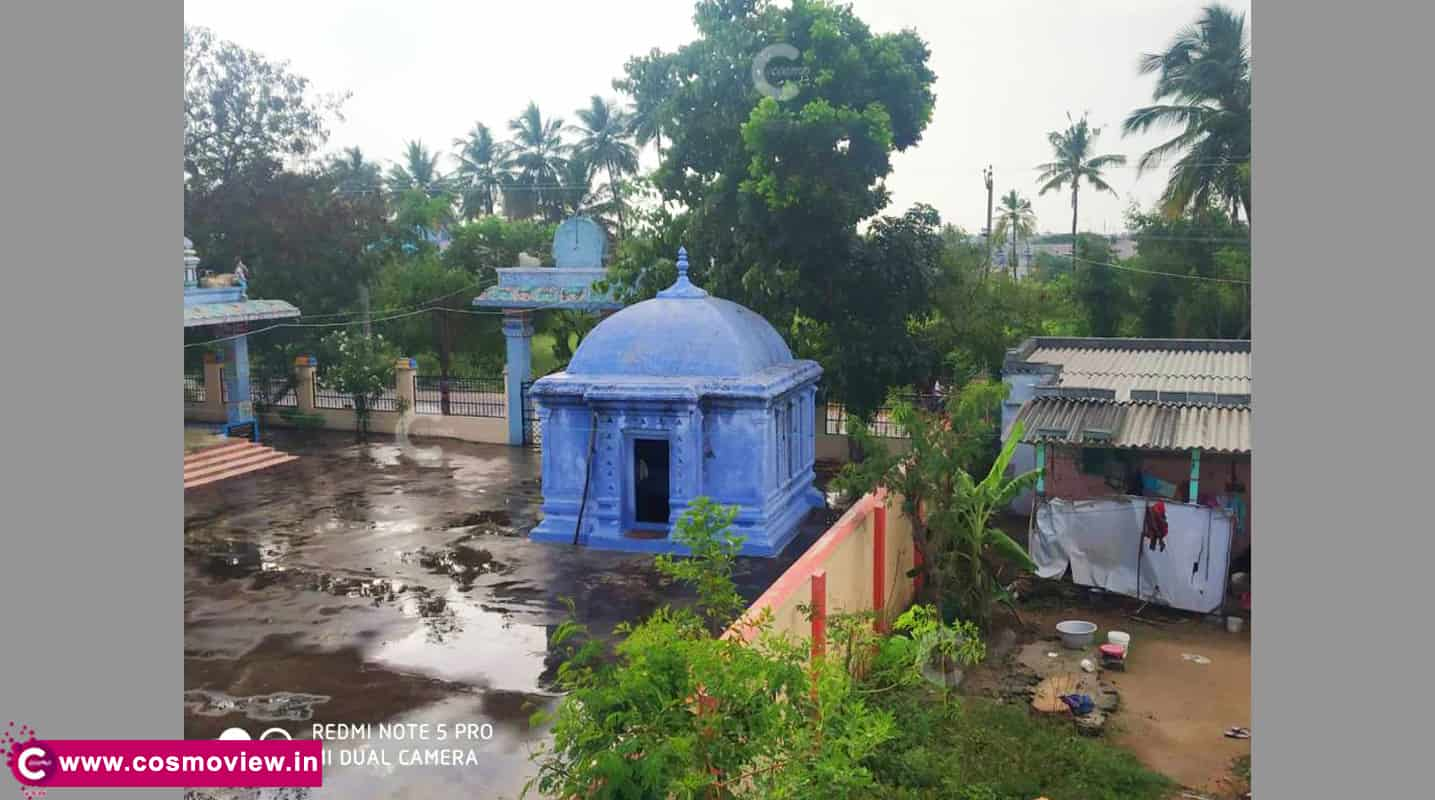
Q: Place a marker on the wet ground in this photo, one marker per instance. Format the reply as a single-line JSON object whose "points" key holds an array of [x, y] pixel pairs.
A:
{"points": [[379, 583], [1173, 710]]}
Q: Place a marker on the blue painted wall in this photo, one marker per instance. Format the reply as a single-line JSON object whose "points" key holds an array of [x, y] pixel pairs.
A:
{"points": [[715, 381]]}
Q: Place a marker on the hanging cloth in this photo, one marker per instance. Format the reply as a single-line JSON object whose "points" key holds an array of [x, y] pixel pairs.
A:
{"points": [[1155, 527]]}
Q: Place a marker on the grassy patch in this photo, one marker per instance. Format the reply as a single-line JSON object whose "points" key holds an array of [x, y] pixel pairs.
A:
{"points": [[975, 749]]}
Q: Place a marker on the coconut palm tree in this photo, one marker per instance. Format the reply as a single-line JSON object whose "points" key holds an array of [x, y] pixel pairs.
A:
{"points": [[353, 174], [652, 89], [478, 173], [1072, 148], [1203, 87], [577, 197], [603, 143], [419, 170], [535, 159], [1016, 220]]}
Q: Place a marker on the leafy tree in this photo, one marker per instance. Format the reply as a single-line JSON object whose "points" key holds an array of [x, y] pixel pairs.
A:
{"points": [[976, 318], [301, 240], [535, 160], [1101, 291], [447, 331], [488, 243], [1214, 302], [871, 348], [241, 109], [353, 174], [962, 554], [644, 262], [1203, 87], [478, 176], [359, 366], [772, 215], [673, 710], [1074, 162], [603, 143], [1015, 220]]}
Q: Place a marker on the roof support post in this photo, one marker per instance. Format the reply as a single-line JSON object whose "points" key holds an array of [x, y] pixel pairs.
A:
{"points": [[1041, 469], [1195, 488]]}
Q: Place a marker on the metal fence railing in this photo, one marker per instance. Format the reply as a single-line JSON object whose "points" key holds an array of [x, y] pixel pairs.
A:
{"points": [[467, 397], [194, 390], [325, 397], [276, 392], [532, 425], [388, 400], [882, 424]]}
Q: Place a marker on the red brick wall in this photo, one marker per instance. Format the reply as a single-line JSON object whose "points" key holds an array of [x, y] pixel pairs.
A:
{"points": [[1065, 479]]}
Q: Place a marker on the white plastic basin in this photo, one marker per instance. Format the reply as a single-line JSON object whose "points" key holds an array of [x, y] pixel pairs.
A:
{"points": [[1076, 633]]}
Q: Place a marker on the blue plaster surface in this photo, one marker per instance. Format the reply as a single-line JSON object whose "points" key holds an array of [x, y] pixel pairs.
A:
{"points": [[715, 381], [579, 243], [518, 335]]}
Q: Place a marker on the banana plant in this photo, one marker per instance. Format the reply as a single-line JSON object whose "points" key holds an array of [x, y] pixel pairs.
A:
{"points": [[979, 549], [952, 513]]}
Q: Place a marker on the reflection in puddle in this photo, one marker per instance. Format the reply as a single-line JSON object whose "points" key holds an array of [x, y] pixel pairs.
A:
{"points": [[464, 643]]}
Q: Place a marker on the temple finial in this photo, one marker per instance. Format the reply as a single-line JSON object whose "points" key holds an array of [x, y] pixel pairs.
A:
{"points": [[682, 287]]}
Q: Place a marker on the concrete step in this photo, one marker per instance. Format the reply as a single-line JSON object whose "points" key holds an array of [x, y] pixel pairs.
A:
{"points": [[274, 460], [217, 451], [239, 458]]}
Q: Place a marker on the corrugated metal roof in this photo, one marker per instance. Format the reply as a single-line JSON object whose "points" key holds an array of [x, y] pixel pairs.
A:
{"points": [[1162, 365], [1145, 426], [1173, 363], [1124, 384]]}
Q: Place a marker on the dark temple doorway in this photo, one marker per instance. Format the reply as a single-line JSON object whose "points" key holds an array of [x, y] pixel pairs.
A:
{"points": [[650, 481]]}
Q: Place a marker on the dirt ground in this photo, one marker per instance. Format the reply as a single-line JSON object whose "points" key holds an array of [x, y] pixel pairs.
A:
{"points": [[1173, 711]]}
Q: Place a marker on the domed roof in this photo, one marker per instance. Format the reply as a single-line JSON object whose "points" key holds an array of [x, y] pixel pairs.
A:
{"points": [[683, 332]]}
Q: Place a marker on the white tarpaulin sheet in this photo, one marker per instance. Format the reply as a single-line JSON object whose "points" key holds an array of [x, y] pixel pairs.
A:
{"points": [[1101, 541]]}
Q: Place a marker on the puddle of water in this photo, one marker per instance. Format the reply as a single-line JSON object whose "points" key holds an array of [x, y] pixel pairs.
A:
{"points": [[277, 707], [462, 642]]}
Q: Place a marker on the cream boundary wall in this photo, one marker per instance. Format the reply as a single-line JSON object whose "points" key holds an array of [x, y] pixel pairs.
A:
{"points": [[848, 554], [489, 430]]}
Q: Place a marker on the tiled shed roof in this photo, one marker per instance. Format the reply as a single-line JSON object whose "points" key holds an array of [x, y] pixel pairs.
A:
{"points": [[1146, 426], [1215, 366]]}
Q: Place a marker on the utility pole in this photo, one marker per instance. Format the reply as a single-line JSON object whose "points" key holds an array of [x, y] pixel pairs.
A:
{"points": [[987, 176], [364, 299]]}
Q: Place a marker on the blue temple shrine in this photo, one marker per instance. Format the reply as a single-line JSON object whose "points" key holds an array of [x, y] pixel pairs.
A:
{"points": [[677, 397]]}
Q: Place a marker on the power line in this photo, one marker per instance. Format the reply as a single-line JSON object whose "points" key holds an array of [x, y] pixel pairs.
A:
{"points": [[1161, 273], [424, 304], [389, 318]]}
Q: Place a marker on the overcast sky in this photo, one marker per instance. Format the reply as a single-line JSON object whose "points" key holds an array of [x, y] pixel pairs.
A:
{"points": [[1007, 73]]}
